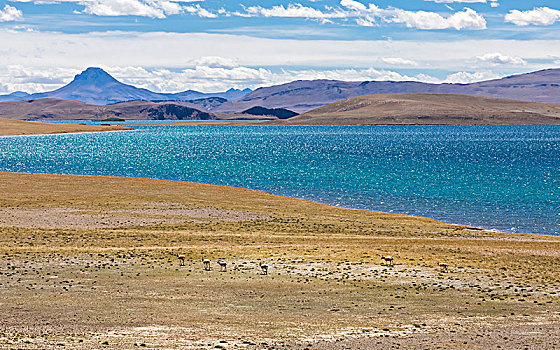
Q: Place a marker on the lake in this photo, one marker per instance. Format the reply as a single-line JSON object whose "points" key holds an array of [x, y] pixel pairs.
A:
{"points": [[499, 177]]}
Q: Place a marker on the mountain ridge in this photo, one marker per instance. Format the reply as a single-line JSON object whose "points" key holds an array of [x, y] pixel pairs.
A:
{"points": [[95, 86], [304, 95]]}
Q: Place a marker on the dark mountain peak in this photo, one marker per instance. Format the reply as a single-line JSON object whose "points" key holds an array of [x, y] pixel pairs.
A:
{"points": [[94, 75]]}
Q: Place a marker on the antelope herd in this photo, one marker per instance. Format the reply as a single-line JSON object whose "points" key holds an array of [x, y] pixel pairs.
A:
{"points": [[389, 260]]}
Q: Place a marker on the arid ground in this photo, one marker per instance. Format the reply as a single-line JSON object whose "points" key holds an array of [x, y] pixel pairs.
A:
{"points": [[91, 262], [10, 127]]}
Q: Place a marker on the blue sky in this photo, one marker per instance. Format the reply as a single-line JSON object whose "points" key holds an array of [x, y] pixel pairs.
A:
{"points": [[213, 45]]}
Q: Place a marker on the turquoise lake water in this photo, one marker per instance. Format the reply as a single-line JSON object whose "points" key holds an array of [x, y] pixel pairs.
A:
{"points": [[499, 177]]}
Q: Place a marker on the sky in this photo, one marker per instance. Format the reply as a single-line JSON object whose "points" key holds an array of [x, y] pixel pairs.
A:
{"points": [[210, 45]]}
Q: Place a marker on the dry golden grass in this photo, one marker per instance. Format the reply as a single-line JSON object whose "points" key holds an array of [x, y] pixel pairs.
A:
{"points": [[120, 285], [10, 127]]}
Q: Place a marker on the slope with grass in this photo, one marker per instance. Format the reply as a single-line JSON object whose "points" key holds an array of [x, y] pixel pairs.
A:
{"points": [[430, 109], [91, 262]]}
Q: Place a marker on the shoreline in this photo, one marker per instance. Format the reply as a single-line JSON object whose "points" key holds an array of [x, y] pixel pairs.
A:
{"points": [[395, 215], [14, 127]]}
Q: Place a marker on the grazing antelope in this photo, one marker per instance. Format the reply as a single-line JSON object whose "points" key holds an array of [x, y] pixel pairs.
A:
{"points": [[388, 259], [206, 263], [181, 259], [443, 266], [223, 265], [264, 268]]}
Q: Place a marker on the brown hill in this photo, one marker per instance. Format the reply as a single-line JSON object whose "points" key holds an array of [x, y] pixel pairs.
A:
{"points": [[56, 109], [10, 127], [429, 109]]}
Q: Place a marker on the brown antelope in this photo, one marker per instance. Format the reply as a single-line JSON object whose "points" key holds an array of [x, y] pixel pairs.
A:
{"points": [[443, 266], [206, 263], [181, 258], [264, 268], [223, 265], [388, 259]]}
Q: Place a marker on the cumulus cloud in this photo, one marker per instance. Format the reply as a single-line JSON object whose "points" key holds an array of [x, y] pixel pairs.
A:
{"points": [[143, 8], [154, 9], [200, 11], [539, 16], [10, 13], [467, 77], [467, 19], [366, 15], [292, 10], [493, 3], [499, 59]]}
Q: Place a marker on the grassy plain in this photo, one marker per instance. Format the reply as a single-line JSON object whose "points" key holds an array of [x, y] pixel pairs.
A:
{"points": [[91, 262], [11, 127]]}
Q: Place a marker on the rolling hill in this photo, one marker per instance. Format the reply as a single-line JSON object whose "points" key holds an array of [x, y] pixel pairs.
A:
{"points": [[428, 109], [302, 96]]}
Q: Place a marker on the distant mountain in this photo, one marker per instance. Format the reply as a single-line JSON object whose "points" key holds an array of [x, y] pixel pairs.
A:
{"points": [[14, 96], [405, 108], [95, 86], [301, 96], [56, 109], [229, 95]]}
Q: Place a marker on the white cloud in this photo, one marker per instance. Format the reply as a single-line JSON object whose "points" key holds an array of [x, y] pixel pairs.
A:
{"points": [[354, 5], [365, 22], [214, 62], [10, 13], [365, 15], [292, 10], [499, 59], [199, 11], [466, 77], [467, 19], [398, 61], [154, 9], [493, 3], [540, 16], [143, 8]]}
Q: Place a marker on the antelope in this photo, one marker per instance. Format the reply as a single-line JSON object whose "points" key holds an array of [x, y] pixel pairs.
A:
{"points": [[264, 268], [388, 259], [181, 259], [206, 263], [223, 265], [443, 266]]}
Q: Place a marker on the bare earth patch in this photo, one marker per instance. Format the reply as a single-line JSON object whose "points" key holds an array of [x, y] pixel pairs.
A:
{"points": [[71, 218]]}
